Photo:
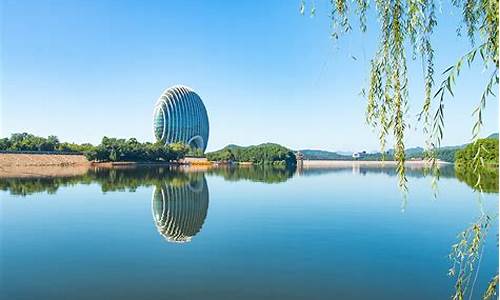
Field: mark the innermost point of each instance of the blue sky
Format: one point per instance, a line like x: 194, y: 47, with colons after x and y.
x: 85, y: 69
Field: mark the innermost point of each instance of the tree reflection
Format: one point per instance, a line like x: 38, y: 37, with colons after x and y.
x: 487, y: 176
x: 132, y: 178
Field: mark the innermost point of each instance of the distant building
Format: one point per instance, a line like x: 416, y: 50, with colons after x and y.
x: 180, y: 117
x: 357, y: 155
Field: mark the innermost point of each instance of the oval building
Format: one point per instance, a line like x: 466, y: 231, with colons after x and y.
x: 180, y: 117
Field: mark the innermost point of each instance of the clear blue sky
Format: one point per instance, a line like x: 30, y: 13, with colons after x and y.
x: 85, y: 69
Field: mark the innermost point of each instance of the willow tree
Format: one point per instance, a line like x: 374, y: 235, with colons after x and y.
x: 405, y: 28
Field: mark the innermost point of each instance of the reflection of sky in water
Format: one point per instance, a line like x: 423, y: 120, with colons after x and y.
x: 336, y: 235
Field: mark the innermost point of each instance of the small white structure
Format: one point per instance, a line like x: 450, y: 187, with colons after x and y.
x: 357, y: 155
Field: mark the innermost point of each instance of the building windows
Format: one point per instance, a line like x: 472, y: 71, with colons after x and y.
x: 181, y: 117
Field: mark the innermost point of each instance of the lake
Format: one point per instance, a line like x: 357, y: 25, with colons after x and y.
x: 238, y: 233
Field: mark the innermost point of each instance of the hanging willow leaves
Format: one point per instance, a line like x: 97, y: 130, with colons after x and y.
x: 412, y: 22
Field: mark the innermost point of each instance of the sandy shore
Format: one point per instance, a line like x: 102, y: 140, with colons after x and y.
x: 10, y: 159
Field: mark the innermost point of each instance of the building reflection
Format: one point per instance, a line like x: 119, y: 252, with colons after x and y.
x: 180, y: 208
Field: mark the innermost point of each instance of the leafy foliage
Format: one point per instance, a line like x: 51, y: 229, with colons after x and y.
x: 29, y: 142
x: 112, y: 149
x: 403, y: 22
x: 465, y: 157
x: 482, y: 176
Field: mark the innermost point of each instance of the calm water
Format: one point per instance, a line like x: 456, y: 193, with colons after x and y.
x: 154, y: 233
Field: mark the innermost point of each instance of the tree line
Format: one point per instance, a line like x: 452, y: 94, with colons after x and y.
x: 29, y: 142
x: 110, y: 149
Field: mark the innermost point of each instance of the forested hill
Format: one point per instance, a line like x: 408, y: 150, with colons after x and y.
x: 322, y: 155
x: 267, y: 153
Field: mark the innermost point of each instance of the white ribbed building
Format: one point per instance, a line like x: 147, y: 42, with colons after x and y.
x: 180, y: 117
x: 179, y: 210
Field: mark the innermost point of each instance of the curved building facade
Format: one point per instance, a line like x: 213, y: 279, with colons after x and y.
x: 180, y: 209
x: 180, y: 117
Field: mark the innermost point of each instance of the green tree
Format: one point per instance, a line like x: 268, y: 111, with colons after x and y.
x: 5, y: 144
x: 178, y: 150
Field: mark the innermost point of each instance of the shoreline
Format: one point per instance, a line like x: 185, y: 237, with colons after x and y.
x: 43, y: 159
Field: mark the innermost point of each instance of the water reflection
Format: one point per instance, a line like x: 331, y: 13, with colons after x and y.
x: 266, y: 174
x: 446, y: 171
x: 486, y: 176
x: 130, y: 178
x: 281, y: 241
x: 180, y: 208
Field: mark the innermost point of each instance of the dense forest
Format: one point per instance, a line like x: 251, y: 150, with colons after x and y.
x: 259, y: 154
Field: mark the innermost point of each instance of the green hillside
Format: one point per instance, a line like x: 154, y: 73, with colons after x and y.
x: 267, y: 153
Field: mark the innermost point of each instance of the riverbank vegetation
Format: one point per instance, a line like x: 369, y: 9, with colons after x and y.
x: 482, y: 175
x: 263, y: 154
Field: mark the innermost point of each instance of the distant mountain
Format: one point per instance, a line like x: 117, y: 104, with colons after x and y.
x: 446, y: 153
x: 232, y: 146
x: 493, y: 136
x: 346, y: 153
x: 322, y: 155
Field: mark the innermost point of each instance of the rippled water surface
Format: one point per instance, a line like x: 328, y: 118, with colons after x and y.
x: 155, y: 233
